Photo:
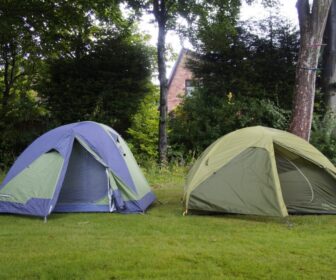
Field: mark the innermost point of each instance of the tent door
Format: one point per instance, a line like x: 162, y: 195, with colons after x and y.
x: 306, y: 188
x: 110, y: 193
x: 85, y: 182
x: 296, y: 187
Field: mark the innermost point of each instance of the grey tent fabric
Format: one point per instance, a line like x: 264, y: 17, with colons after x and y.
x: 296, y: 187
x: 306, y: 187
x: 234, y: 194
x: 85, y: 180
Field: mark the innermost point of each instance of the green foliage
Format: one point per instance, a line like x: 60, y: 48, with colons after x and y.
x: 143, y: 131
x: 168, y: 15
x: 211, y: 20
x: 255, y: 59
x: 202, y: 118
x: 106, y: 84
x: 245, y: 76
x: 106, y: 68
x: 171, y: 175
x: 323, y: 135
x: 47, y: 27
x: 2, y: 175
x: 23, y: 121
x: 192, y: 11
x: 33, y: 30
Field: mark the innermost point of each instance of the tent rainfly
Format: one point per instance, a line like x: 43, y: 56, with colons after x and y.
x: 79, y: 167
x: 262, y: 171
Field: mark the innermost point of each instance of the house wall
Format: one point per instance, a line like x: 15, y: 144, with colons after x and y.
x: 176, y: 88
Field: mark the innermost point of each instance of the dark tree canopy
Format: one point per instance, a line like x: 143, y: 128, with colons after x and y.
x: 84, y: 53
x: 250, y: 65
x: 32, y: 30
x: 105, y: 84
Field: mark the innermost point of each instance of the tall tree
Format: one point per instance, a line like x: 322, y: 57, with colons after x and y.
x: 161, y: 13
x: 329, y: 59
x: 166, y: 14
x: 312, y: 20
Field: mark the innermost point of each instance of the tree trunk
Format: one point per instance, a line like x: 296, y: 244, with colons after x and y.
x: 329, y: 59
x: 312, y: 24
x: 9, y: 58
x: 6, y: 90
x: 163, y: 98
x: 160, y: 15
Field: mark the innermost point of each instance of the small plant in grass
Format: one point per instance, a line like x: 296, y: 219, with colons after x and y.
x: 172, y: 174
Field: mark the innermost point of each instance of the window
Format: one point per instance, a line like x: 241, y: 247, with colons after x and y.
x: 189, y: 87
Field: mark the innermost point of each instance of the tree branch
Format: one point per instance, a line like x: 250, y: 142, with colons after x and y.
x: 156, y: 11
x: 11, y: 81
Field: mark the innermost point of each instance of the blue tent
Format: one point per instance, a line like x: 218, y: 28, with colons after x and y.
x: 79, y: 167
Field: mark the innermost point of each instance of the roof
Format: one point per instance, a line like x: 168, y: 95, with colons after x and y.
x: 177, y: 62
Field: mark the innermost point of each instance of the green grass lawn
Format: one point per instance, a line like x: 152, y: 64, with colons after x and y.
x: 163, y: 244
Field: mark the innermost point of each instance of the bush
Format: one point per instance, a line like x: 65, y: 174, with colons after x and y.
x: 323, y: 134
x: 106, y: 84
x: 143, y: 131
x: 21, y: 123
x: 202, y: 118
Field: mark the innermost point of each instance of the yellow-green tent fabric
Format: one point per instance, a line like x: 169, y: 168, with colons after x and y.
x: 261, y: 171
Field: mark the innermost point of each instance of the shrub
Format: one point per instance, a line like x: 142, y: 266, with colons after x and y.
x: 21, y: 123
x: 143, y: 131
x: 202, y: 118
x: 323, y: 134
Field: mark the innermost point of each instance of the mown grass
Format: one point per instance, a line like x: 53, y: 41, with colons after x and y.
x: 163, y: 244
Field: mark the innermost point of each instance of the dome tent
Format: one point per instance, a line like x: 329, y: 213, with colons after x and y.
x: 261, y: 171
x: 79, y: 167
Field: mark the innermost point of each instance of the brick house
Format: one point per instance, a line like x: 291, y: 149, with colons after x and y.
x: 180, y: 81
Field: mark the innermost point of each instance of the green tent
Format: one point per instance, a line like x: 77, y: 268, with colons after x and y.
x: 261, y: 171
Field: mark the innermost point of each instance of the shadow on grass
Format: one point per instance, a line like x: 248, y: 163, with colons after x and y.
x: 19, y: 217
x: 231, y: 216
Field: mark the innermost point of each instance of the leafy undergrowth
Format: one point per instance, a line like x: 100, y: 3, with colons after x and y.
x: 162, y: 244
x: 2, y: 175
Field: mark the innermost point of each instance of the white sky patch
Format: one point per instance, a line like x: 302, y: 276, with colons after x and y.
x: 311, y: 2
x: 287, y: 9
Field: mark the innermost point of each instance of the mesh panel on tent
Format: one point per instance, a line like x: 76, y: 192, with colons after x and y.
x: 305, y: 186
x: 85, y: 180
x: 296, y: 188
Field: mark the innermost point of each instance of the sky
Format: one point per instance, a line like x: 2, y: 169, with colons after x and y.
x: 256, y: 11
x: 287, y: 9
